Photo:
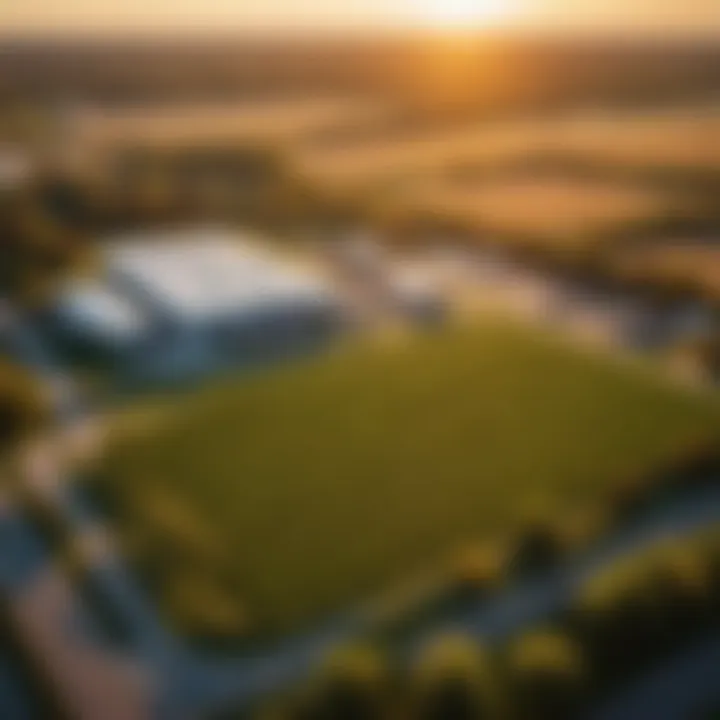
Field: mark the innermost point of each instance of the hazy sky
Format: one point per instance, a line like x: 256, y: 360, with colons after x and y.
x: 90, y: 16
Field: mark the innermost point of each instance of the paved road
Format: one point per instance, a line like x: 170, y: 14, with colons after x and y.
x: 681, y: 689
x: 43, y: 605
x: 48, y: 616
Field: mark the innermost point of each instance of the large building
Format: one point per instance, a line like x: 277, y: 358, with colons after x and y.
x: 182, y: 303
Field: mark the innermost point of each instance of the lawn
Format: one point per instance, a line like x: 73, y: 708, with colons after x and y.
x: 313, y: 487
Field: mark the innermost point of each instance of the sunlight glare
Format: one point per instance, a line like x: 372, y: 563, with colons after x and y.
x: 460, y: 13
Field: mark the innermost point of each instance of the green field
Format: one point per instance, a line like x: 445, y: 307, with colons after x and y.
x: 313, y: 487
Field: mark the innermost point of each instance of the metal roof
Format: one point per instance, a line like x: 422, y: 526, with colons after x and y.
x: 95, y: 309
x: 203, y: 274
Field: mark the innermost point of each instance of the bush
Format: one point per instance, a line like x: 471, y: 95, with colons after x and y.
x: 646, y: 606
x: 680, y: 577
x: 23, y: 405
x: 547, y: 676
x: 351, y: 685
x: 619, y: 624
x: 454, y: 678
x: 536, y: 550
x: 479, y: 569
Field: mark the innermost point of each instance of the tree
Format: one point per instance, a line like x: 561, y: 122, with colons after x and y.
x: 537, y: 545
x: 454, y: 680
x: 479, y: 569
x: 351, y: 685
x: 22, y: 405
x: 680, y: 577
x: 633, y: 611
x: 35, y: 251
x: 546, y: 671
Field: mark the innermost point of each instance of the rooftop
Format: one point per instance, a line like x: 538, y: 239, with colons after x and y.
x: 93, y: 307
x: 204, y: 273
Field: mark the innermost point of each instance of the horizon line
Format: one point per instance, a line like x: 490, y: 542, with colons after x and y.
x: 257, y: 34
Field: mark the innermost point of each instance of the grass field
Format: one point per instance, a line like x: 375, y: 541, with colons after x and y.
x: 313, y: 487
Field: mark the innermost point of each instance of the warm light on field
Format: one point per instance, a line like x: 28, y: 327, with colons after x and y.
x: 459, y: 13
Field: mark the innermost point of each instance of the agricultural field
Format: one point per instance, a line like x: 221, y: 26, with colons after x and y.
x: 556, y: 179
x: 557, y: 210
x: 681, y: 139
x: 552, y: 179
x: 260, y: 506
x: 272, y: 120
x: 692, y: 264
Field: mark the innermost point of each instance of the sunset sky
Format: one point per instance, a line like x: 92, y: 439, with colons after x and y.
x: 107, y: 16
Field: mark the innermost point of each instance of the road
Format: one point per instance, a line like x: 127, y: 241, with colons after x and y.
x: 49, y: 619
x: 42, y: 603
x: 682, y: 688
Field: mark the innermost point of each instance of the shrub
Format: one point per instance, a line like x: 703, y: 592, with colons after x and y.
x: 680, y: 578
x: 479, y: 568
x: 645, y: 606
x: 350, y: 685
x: 23, y: 405
x: 536, y: 550
x: 547, y: 676
x: 454, y: 678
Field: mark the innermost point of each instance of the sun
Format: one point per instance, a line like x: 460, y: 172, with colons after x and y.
x: 459, y: 13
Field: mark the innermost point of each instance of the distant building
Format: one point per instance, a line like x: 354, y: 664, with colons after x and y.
x: 179, y: 304
x: 416, y: 294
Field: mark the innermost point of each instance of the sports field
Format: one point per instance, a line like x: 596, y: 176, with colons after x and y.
x: 272, y: 501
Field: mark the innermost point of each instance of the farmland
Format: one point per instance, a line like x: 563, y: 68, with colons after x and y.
x: 279, y: 120
x: 575, y: 176
x: 689, y: 263
x: 686, y: 138
x: 264, y: 505
x: 557, y: 210
x: 372, y: 144
x: 554, y: 179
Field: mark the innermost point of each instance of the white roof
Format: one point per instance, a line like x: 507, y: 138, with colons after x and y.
x: 94, y: 308
x: 205, y: 273
x: 418, y: 280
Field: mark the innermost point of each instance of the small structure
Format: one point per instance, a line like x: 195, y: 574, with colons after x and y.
x: 182, y: 303
x: 359, y: 257
x: 415, y: 293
